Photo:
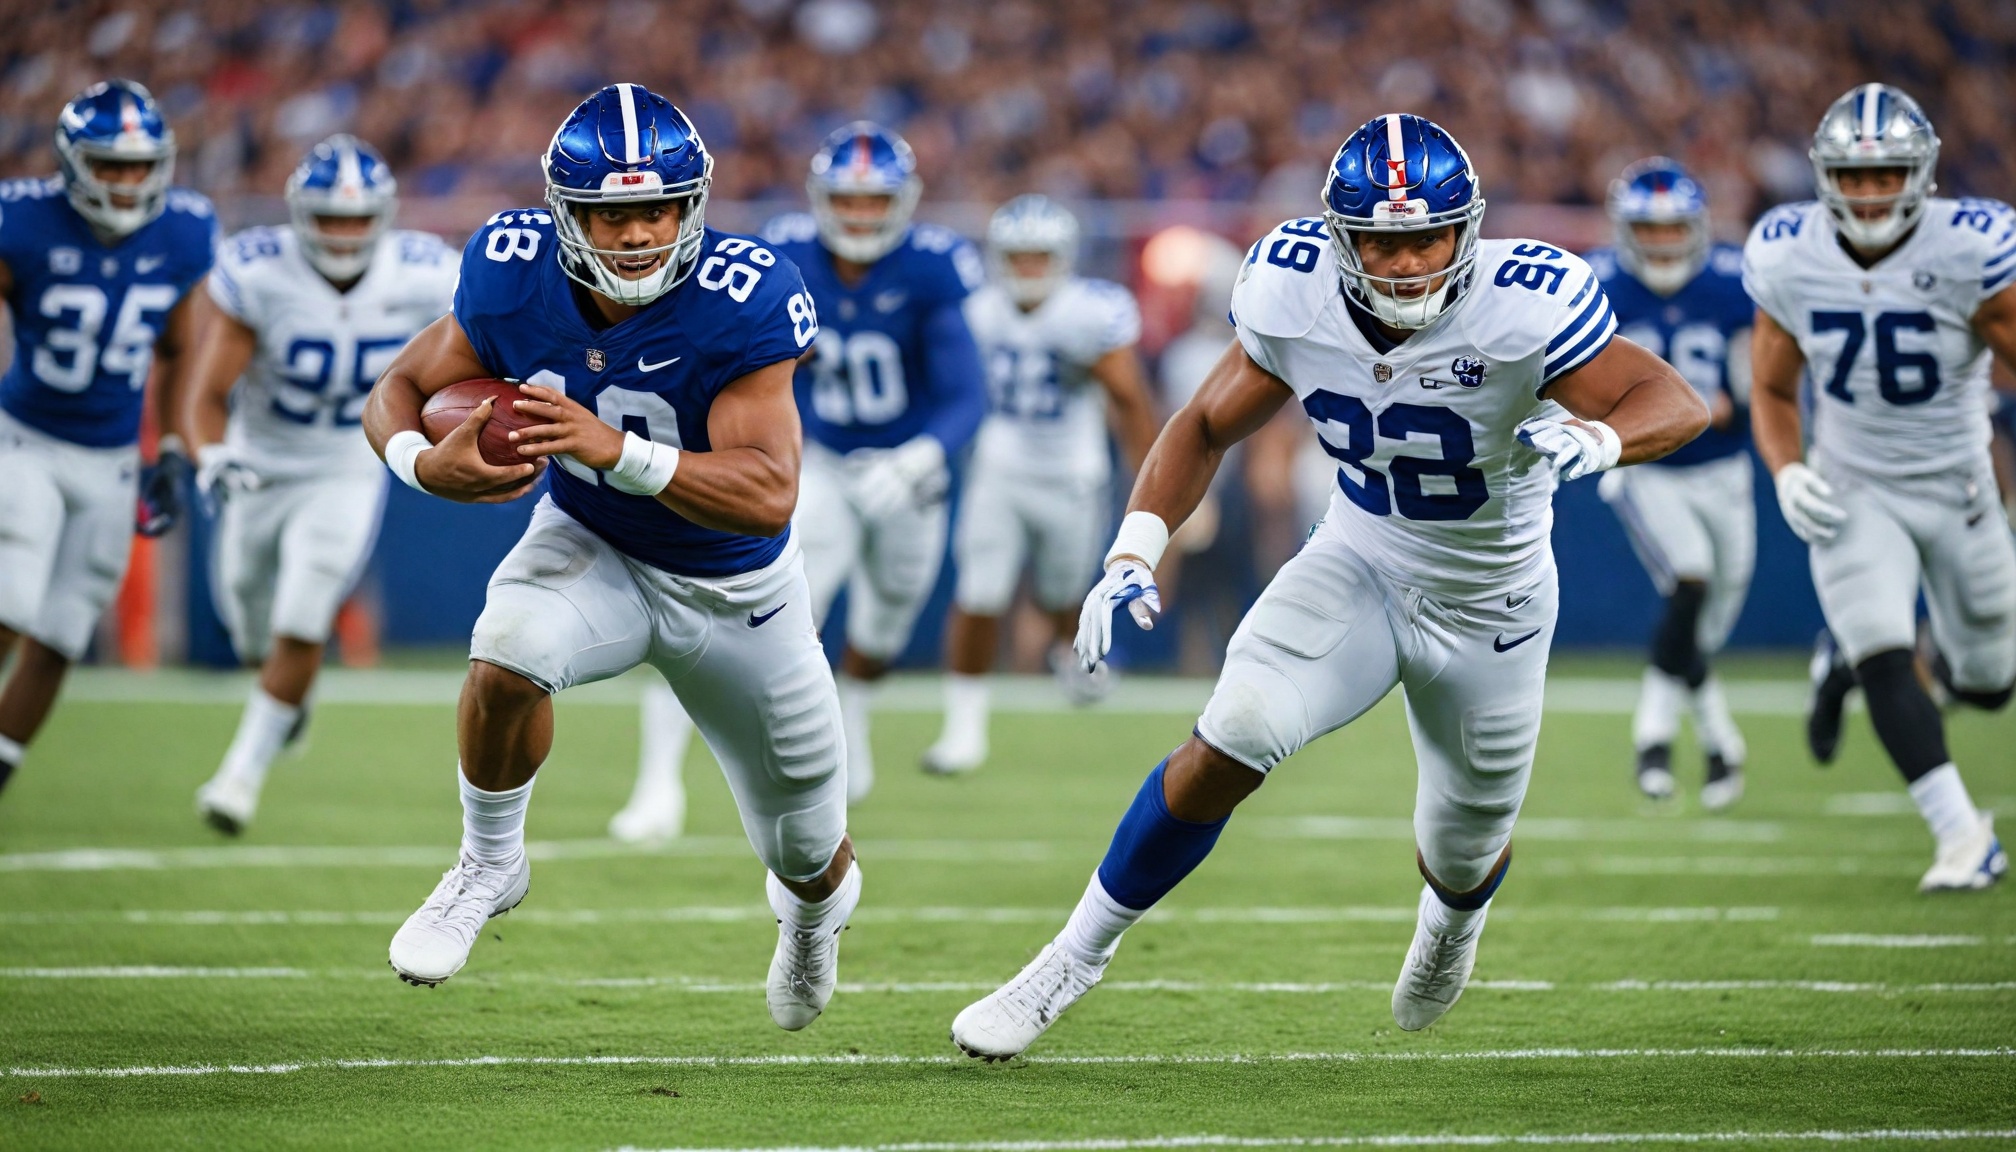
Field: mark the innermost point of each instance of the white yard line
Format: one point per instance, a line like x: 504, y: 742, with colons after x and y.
x: 1710, y: 831
x: 705, y: 985
x: 1862, y: 940
x: 1146, y: 695
x: 741, y: 913
x: 1504, y: 1054
x: 1424, y: 1140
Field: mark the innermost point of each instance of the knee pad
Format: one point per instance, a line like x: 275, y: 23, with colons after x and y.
x: 1906, y: 720
x: 1990, y: 699
x: 1676, y: 646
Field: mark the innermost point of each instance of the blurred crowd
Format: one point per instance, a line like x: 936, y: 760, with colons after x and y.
x: 1225, y: 100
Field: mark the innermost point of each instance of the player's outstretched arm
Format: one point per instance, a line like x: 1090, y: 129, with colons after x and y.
x: 217, y: 357
x: 746, y: 483
x: 1643, y: 399
x: 1995, y: 322
x: 1129, y: 410
x: 1233, y: 402
x: 171, y: 360
x: 439, y: 356
x: 1776, y: 365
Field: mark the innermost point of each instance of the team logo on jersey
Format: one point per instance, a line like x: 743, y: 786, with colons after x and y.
x: 1382, y: 371
x: 597, y: 361
x: 108, y: 267
x: 1924, y: 281
x: 65, y: 261
x: 1469, y: 371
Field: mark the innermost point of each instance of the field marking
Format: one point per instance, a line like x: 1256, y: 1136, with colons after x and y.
x: 705, y: 985
x: 909, y: 692
x: 1709, y: 831
x: 1425, y: 1140
x: 1864, y: 940
x: 1865, y: 865
x: 745, y: 913
x: 1503, y: 1054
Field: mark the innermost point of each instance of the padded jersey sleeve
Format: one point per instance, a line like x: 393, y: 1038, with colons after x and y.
x: 237, y: 282
x: 951, y: 269
x: 1286, y: 281
x: 499, y: 270
x: 1579, y: 329
x: 1766, y: 252
x: 957, y: 379
x: 775, y: 313
x: 1105, y: 317
x: 429, y: 265
x: 195, y: 234
x: 1991, y: 226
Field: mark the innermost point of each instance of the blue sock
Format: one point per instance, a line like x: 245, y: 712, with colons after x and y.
x: 1153, y: 851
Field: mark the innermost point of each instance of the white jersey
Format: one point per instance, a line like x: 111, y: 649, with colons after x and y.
x: 1047, y: 416
x: 297, y: 409
x: 1899, y: 376
x: 1432, y: 486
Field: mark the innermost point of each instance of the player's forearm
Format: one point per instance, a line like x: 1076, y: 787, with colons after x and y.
x: 1177, y: 469
x: 1655, y: 417
x: 1128, y: 408
x: 205, y: 417
x: 1775, y: 427
x: 747, y: 491
x: 393, y: 407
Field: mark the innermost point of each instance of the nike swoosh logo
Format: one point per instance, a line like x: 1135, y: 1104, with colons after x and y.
x: 1975, y: 519
x: 1517, y: 602
x: 1500, y: 645
x: 643, y: 367
x: 146, y: 264
x: 756, y: 621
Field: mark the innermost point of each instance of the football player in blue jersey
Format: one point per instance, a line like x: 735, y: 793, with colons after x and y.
x: 1689, y: 515
x: 96, y: 264
x: 661, y: 351
x: 894, y: 391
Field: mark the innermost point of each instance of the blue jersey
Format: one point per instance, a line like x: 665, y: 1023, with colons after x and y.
x: 894, y: 357
x: 1691, y: 330
x: 87, y: 313
x: 655, y: 373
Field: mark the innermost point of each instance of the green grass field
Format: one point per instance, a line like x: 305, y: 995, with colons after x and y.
x: 1659, y: 978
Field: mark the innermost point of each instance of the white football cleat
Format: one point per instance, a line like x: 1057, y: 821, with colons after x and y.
x: 1655, y: 772
x: 1724, y: 785
x: 435, y: 941
x: 806, y: 964
x: 655, y: 813
x: 1438, y: 966
x: 1083, y: 689
x: 1002, y: 1024
x: 228, y: 803
x: 955, y: 752
x: 1969, y: 862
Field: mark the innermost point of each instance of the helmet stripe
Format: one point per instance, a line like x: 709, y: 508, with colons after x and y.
x: 631, y: 155
x: 1872, y: 95
x: 1396, y: 158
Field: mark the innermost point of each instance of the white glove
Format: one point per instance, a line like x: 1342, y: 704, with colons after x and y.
x: 912, y: 474
x: 1127, y: 581
x: 222, y: 472
x: 1580, y: 449
x: 1807, y: 503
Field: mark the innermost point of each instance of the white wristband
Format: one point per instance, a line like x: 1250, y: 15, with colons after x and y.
x: 1141, y: 534
x: 645, y: 468
x: 402, y: 456
x: 1613, y: 445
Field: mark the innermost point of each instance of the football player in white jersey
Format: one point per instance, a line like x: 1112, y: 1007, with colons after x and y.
x: 296, y: 325
x: 1893, y: 302
x: 1454, y: 380
x: 1060, y: 358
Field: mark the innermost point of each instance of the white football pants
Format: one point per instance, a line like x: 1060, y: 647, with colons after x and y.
x: 66, y: 531
x: 289, y: 553
x: 888, y: 563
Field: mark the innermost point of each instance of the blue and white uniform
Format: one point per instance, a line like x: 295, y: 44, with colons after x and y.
x: 1690, y: 515
x: 894, y: 361
x: 289, y: 551
x: 603, y: 581
x: 86, y: 315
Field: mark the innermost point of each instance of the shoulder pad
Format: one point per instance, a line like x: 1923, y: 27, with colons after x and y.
x: 744, y: 270
x: 190, y: 202
x: 791, y: 228
x: 30, y: 188
x: 424, y: 248
x: 251, y: 246
x: 1785, y: 222
x: 1726, y: 260
x: 1105, y: 312
x: 1526, y: 289
x: 934, y: 238
x: 1288, y: 279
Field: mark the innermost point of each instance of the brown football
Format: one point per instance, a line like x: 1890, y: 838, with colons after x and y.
x: 448, y: 408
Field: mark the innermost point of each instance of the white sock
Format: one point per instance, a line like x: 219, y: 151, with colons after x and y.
x: 855, y: 696
x: 1713, y: 723
x: 262, y: 729
x: 1096, y: 925
x: 799, y: 912
x: 666, y: 730
x: 11, y: 751
x: 965, y: 708
x: 493, y: 823
x: 1943, y: 801
x: 1440, y: 918
x: 1657, y: 720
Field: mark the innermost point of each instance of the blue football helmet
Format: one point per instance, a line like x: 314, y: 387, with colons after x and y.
x: 115, y: 120
x: 341, y: 176
x: 1875, y: 126
x: 1657, y: 190
x: 863, y: 159
x: 626, y: 145
x: 1031, y: 223
x: 1402, y: 173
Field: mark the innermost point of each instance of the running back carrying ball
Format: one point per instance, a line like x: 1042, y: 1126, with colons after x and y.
x: 447, y: 409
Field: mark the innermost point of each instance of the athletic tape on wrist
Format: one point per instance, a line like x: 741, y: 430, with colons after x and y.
x: 402, y: 456
x: 1141, y: 534
x: 1613, y: 444
x: 645, y: 468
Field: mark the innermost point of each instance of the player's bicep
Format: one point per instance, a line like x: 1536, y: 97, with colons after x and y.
x: 1592, y: 391
x: 1237, y: 397
x: 1119, y: 372
x: 6, y: 280
x: 757, y: 411
x: 1995, y: 322
x: 1775, y: 360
